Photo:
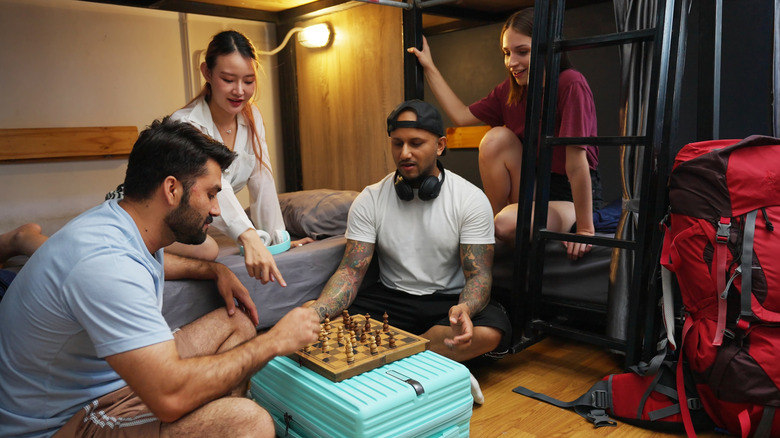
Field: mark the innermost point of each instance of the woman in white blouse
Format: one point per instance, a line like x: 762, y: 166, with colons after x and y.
x: 224, y: 111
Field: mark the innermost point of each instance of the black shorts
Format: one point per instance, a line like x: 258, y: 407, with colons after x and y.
x: 560, y: 188
x: 416, y: 314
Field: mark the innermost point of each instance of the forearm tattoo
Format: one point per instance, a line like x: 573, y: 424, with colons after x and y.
x: 477, y: 263
x: 342, y: 286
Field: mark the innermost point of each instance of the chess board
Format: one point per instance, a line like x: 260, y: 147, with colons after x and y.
x: 333, y: 363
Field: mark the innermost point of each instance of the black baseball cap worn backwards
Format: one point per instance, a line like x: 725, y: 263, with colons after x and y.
x: 428, y: 118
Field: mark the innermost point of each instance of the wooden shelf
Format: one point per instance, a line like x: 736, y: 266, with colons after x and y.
x: 466, y: 136
x: 56, y: 144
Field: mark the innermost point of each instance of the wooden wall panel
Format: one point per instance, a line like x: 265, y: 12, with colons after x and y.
x: 345, y: 92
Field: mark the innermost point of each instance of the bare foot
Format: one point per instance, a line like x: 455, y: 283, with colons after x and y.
x: 24, y: 240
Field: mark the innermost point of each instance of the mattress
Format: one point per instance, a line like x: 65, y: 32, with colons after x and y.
x: 585, y: 280
x: 305, y: 269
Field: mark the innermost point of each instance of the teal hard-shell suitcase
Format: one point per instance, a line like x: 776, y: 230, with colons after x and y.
x: 424, y: 395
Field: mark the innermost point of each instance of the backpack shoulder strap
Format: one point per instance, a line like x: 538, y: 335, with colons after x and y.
x: 746, y: 312
x: 721, y: 239
x: 684, y: 411
x: 591, y: 406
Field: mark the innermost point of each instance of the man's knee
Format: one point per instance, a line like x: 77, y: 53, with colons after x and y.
x: 219, y: 321
x: 244, y: 327
x: 247, y: 419
x: 226, y: 417
x: 488, y: 338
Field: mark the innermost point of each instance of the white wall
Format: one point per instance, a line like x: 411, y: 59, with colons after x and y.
x: 66, y: 63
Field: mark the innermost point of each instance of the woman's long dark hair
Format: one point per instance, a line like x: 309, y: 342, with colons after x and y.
x: 225, y: 43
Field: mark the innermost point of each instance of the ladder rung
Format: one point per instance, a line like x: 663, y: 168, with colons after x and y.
x: 548, y: 302
x: 598, y: 141
x: 579, y: 335
x: 612, y: 39
x: 593, y: 240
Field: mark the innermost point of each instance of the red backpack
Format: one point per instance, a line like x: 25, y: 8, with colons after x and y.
x: 721, y: 243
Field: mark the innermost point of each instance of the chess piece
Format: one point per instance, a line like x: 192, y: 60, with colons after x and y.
x: 372, y: 345
x: 307, y: 348
x: 352, y: 337
x: 391, y: 340
x: 323, y: 335
x: 367, y: 326
x: 340, y: 335
x: 385, y: 326
x: 362, y: 336
x: 350, y: 354
x: 325, y: 347
x: 326, y: 326
x: 377, y: 338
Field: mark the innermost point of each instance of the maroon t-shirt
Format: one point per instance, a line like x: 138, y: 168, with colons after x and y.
x: 575, y: 114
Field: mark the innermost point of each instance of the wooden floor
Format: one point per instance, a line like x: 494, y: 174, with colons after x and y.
x: 558, y: 368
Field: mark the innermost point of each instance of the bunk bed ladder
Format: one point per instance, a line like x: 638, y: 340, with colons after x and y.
x: 527, y: 301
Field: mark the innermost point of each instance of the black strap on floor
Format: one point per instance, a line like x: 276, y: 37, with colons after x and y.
x: 591, y: 406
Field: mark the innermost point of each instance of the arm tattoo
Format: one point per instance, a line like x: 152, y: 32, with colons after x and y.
x: 477, y: 263
x: 343, y: 285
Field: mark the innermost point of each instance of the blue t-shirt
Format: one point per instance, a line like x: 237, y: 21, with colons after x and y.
x: 91, y: 291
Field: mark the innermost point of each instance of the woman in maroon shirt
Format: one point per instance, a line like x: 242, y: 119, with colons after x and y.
x: 574, y: 178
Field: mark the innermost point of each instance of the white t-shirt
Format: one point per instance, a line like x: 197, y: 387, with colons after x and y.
x: 245, y: 170
x: 92, y: 290
x: 418, y: 242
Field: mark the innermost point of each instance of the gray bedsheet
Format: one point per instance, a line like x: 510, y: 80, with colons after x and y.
x: 306, y: 269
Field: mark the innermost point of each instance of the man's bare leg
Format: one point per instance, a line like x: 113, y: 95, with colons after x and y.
x: 233, y: 416
x: 225, y: 417
x: 214, y: 333
x: 24, y: 240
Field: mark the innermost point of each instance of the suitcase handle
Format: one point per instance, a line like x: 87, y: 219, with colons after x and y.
x: 418, y: 388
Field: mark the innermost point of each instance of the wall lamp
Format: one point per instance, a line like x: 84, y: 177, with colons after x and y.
x: 314, y: 36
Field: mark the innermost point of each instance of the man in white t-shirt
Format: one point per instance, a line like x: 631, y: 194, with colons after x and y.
x: 432, y: 232
x: 84, y: 348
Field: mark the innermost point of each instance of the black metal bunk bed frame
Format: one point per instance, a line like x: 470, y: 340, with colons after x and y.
x: 666, y: 72
x: 668, y: 40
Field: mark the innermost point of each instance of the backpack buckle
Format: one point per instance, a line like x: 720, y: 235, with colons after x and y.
x: 722, y: 236
x: 600, y: 399
x: 599, y: 418
x: 694, y: 403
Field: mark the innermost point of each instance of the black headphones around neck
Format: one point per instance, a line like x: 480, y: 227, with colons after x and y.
x: 430, y: 186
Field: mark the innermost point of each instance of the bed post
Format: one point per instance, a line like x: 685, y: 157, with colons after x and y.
x: 413, y: 72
